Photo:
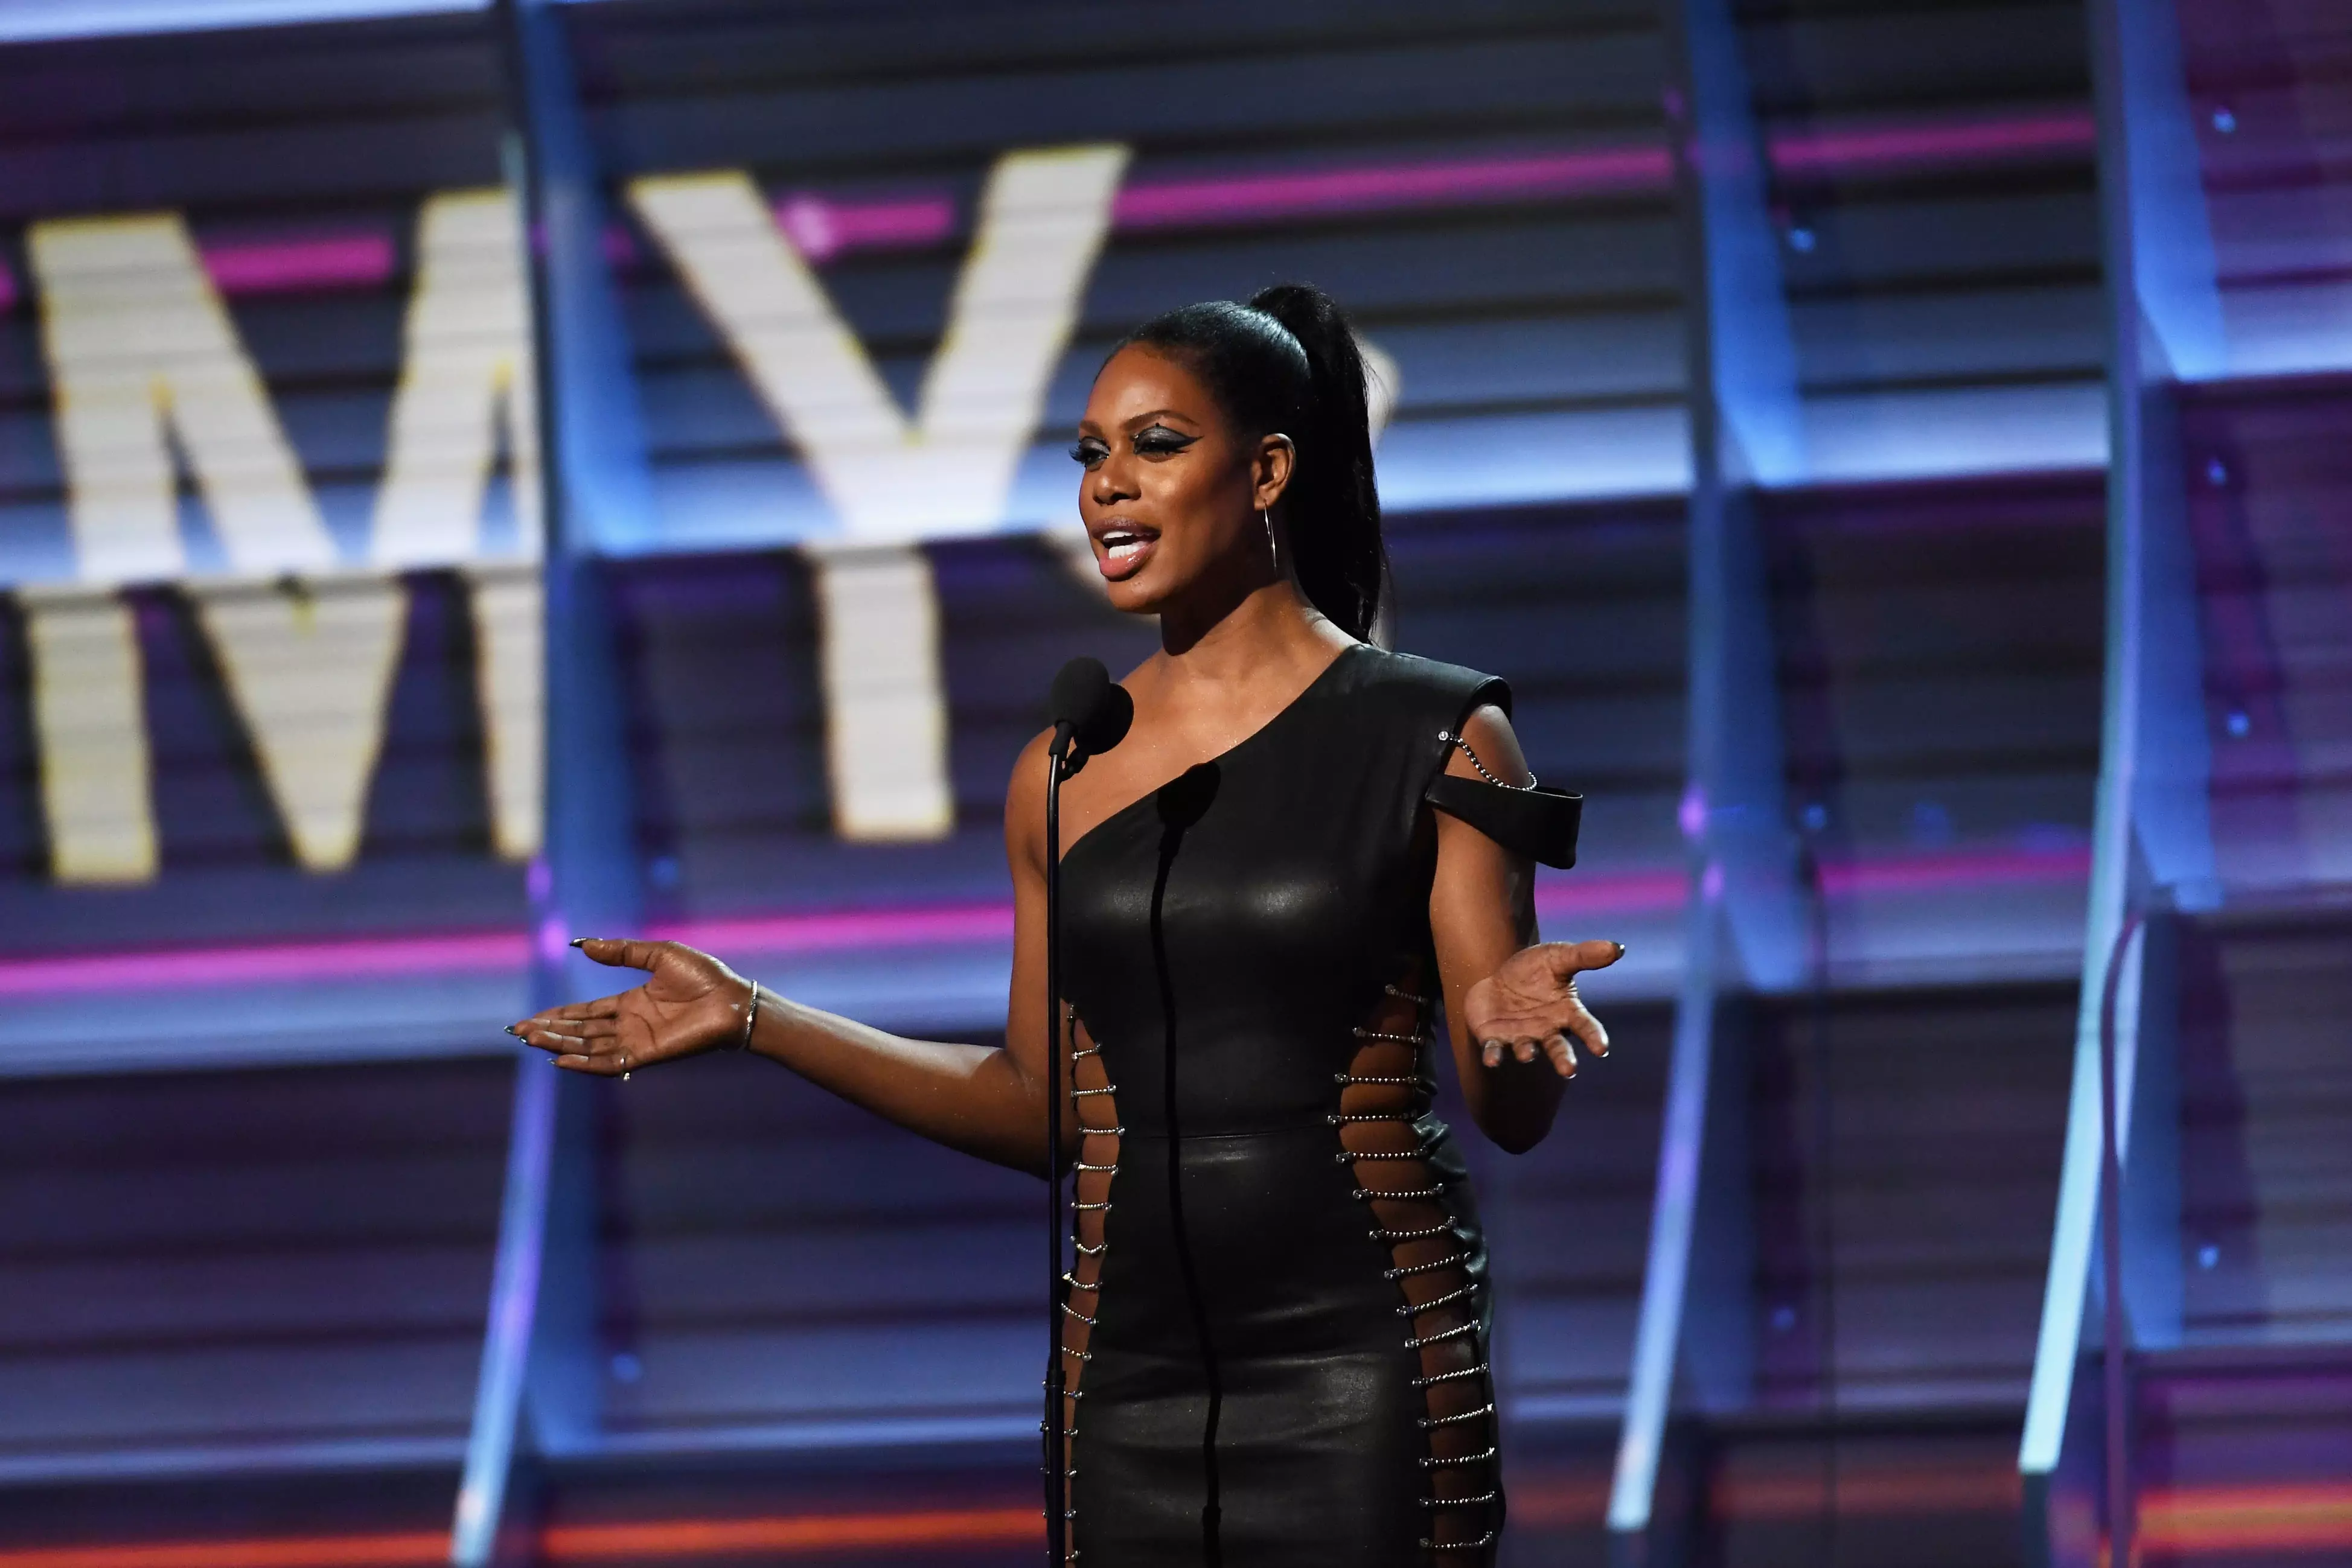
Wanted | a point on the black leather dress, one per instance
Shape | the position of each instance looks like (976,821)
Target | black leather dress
(1276,1327)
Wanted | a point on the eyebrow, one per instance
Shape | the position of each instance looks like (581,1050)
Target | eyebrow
(1141,420)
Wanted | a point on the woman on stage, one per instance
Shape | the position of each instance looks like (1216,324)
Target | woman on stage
(1275,1334)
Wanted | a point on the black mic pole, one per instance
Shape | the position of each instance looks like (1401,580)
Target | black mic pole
(1057,1437)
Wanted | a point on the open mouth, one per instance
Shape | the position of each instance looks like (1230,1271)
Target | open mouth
(1122,548)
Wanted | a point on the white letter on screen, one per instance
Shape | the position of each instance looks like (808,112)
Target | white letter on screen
(92,735)
(466,367)
(510,672)
(890,480)
(135,334)
(886,734)
(311,663)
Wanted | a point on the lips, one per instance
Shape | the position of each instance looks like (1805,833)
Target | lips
(1121,549)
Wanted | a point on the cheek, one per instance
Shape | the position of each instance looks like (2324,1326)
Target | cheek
(1196,508)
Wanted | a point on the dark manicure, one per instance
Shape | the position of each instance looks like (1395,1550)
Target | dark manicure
(514,1032)
(577,940)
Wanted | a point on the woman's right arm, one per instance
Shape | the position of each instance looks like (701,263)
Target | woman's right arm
(988,1101)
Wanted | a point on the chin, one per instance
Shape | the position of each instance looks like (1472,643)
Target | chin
(1133,596)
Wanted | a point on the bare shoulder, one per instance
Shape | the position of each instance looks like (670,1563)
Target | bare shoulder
(1489,733)
(1024,806)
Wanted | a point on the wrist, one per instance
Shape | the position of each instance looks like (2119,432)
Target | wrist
(751,1010)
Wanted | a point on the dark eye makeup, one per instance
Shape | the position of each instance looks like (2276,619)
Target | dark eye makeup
(1157,440)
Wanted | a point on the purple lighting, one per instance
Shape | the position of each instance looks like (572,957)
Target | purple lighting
(322,261)
(823,228)
(1583,896)
(1884,149)
(1184,204)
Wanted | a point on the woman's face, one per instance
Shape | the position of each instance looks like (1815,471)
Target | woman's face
(1172,495)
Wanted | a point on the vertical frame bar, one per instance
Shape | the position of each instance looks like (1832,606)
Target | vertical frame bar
(1744,920)
(2152,844)
(541,1353)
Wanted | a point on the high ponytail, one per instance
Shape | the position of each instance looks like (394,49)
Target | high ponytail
(1288,361)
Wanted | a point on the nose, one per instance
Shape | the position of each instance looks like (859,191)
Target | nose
(1110,482)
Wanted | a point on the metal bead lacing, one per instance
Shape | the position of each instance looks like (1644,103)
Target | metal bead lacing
(1415,1309)
(1421,1089)
(1450,739)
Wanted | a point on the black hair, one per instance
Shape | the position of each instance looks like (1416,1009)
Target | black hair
(1287,362)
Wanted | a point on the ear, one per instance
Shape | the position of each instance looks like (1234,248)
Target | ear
(1271,468)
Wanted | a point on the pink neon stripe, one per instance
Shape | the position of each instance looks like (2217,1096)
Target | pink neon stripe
(1953,869)
(326,261)
(1879,148)
(822,228)
(1178,204)
(272,964)
(1582,897)
(7,289)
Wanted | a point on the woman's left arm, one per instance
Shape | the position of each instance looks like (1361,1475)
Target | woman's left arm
(1511,1003)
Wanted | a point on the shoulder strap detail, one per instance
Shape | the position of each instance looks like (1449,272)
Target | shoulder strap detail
(1537,822)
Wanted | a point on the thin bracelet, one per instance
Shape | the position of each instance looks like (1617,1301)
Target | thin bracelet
(751,1017)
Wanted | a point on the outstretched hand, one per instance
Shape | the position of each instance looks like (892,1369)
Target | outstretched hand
(689,1003)
(1530,1003)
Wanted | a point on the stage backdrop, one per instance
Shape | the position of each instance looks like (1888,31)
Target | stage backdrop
(270,754)
(270,718)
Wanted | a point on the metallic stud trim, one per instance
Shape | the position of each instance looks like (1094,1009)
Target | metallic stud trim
(1439,1337)
(1340,1118)
(1417,1080)
(1095,1251)
(1408,995)
(1484,1497)
(1369,1194)
(1077,1314)
(1414,1310)
(1478,1545)
(1433,1464)
(1448,1228)
(1403,1269)
(1360,1032)
(1089,1207)
(1081,1093)
(1345,1156)
(1449,1376)
(1082,1166)
(1430,1422)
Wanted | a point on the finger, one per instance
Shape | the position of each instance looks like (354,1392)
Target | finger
(620,953)
(594,1062)
(1586,1027)
(1524,1049)
(1562,1054)
(1569,958)
(1491,1054)
(602,1008)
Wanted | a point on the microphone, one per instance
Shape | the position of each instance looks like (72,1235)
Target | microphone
(1091,714)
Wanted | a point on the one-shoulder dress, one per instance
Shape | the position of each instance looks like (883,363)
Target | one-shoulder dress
(1276,1324)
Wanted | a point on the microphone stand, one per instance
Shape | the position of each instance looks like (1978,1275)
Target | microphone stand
(1056,1385)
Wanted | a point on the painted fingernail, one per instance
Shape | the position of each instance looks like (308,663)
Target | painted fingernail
(577,940)
(1621,949)
(514,1032)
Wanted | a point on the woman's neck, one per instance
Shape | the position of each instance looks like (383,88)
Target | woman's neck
(1265,630)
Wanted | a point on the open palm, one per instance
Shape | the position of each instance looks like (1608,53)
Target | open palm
(1530,1005)
(690,1003)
